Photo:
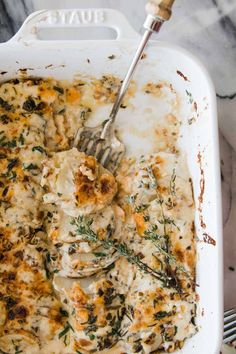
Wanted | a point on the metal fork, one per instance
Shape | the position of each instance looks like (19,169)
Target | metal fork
(101,141)
(229,326)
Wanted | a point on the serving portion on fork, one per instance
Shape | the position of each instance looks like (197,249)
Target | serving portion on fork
(101,141)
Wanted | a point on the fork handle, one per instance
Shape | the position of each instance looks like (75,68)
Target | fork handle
(158,11)
(160,8)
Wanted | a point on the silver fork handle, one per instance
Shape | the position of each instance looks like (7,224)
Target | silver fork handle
(152,24)
(158,12)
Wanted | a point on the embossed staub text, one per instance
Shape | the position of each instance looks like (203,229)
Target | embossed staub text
(74,17)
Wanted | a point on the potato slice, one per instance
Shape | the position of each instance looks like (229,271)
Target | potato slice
(77,183)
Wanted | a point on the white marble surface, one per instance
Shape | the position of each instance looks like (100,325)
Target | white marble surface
(208,29)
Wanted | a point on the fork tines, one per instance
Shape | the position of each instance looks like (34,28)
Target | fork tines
(229,326)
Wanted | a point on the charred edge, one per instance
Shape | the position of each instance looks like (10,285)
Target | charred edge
(182,75)
(208,239)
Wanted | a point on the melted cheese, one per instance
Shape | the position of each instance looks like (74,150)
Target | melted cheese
(77,183)
(89,262)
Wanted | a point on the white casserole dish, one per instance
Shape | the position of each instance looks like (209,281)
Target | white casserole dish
(64,58)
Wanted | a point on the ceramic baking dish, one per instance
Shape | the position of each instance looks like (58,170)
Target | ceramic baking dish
(36,51)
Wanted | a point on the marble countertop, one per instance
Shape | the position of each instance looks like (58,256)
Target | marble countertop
(208,29)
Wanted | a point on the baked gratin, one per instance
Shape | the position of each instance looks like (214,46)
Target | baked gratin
(90,262)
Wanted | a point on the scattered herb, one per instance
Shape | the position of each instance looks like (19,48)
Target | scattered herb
(4,119)
(12,164)
(66,329)
(12,176)
(137,347)
(191,120)
(5,191)
(40,106)
(84,229)
(63,312)
(10,302)
(172,183)
(99,254)
(190,96)
(39,149)
(5,105)
(58,89)
(152,178)
(131,199)
(141,208)
(21,139)
(30,167)
(7,143)
(162,314)
(92,319)
(29,105)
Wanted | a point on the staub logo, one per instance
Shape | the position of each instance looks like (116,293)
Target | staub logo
(73,17)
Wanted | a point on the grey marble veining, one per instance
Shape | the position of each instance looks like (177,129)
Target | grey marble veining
(208,29)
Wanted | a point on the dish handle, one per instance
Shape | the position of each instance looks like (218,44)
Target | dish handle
(75,19)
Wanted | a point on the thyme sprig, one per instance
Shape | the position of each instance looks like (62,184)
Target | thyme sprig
(83,228)
(152,235)
(157,239)
(172,186)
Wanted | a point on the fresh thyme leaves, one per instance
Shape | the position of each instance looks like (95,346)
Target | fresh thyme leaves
(159,242)
(7,143)
(109,295)
(152,232)
(66,329)
(30,167)
(115,332)
(21,139)
(90,328)
(17,348)
(4,104)
(168,221)
(137,347)
(152,178)
(92,319)
(99,254)
(162,314)
(190,96)
(146,218)
(29,105)
(4,119)
(58,89)
(63,312)
(131,199)
(83,228)
(172,183)
(39,149)
(140,208)
(12,164)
